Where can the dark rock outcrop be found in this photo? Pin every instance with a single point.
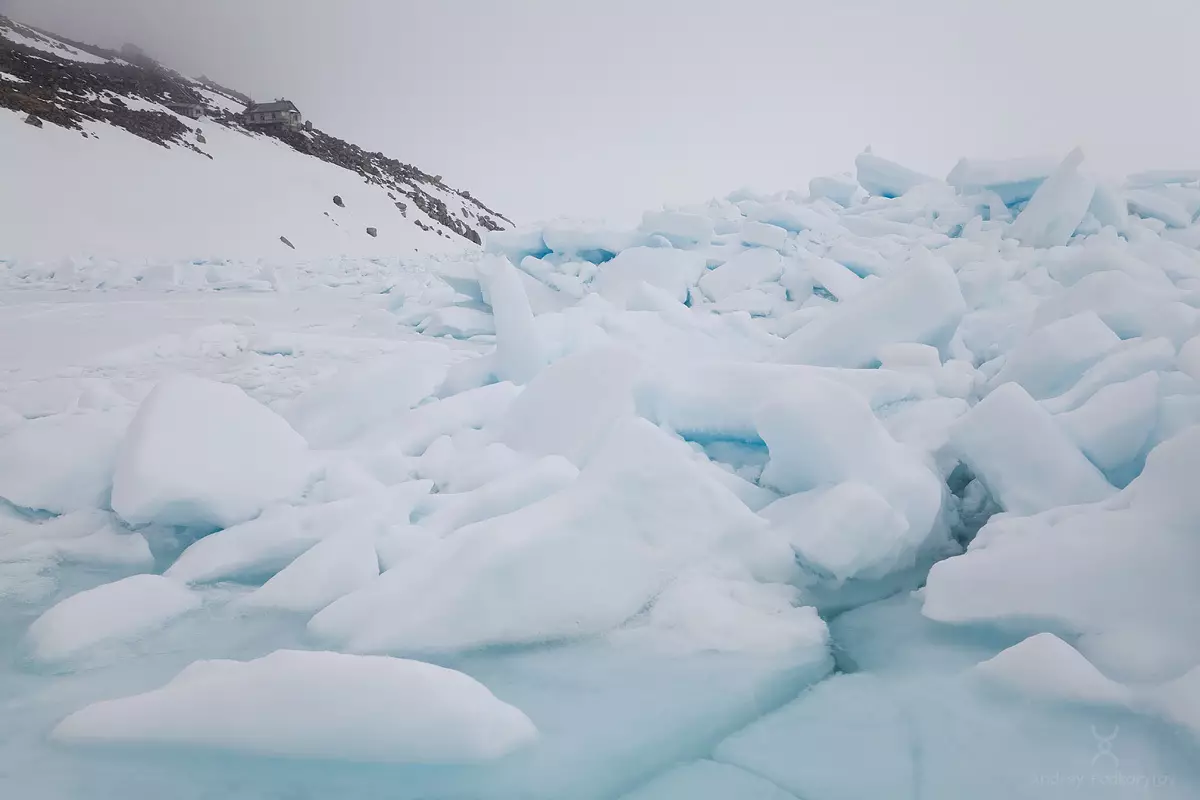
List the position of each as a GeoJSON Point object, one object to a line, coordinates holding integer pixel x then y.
{"type": "Point", "coordinates": [372, 232]}
{"type": "Point", "coordinates": [284, 239]}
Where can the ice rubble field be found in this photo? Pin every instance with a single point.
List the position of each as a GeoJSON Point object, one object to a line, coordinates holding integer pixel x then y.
{"type": "Point", "coordinates": [882, 490]}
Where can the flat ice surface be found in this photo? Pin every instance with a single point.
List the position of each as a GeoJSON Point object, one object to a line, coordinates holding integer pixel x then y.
{"type": "Point", "coordinates": [669, 496]}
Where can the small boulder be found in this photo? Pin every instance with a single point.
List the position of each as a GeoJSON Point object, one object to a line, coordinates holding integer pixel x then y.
{"type": "Point", "coordinates": [284, 239]}
{"type": "Point", "coordinates": [200, 138]}
{"type": "Point", "coordinates": [337, 201]}
{"type": "Point", "coordinates": [34, 121]}
{"type": "Point", "coordinates": [372, 232]}
{"type": "Point", "coordinates": [403, 208]}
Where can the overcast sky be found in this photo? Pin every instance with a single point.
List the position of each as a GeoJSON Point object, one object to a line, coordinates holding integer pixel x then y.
{"type": "Point", "coordinates": [601, 109]}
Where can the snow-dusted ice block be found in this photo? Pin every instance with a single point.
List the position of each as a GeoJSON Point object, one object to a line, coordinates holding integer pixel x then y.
{"type": "Point", "coordinates": [1146, 203]}
{"type": "Point", "coordinates": [1057, 207]}
{"type": "Point", "coordinates": [708, 780]}
{"type": "Point", "coordinates": [762, 234]}
{"type": "Point", "coordinates": [821, 433]}
{"type": "Point", "coordinates": [270, 542]}
{"type": "Point", "coordinates": [673, 271]}
{"type": "Point", "coordinates": [1125, 362]}
{"type": "Point", "coordinates": [513, 490]}
{"type": "Point", "coordinates": [679, 227]}
{"type": "Point", "coordinates": [202, 453]}
{"type": "Point", "coordinates": [815, 746]}
{"type": "Point", "coordinates": [458, 322]}
{"type": "Point", "coordinates": [61, 463]}
{"type": "Point", "coordinates": [1047, 668]}
{"type": "Point", "coordinates": [113, 612]}
{"type": "Point", "coordinates": [316, 705]}
{"type": "Point", "coordinates": [567, 409]}
{"type": "Point", "coordinates": [842, 532]}
{"type": "Point", "coordinates": [1114, 427]}
{"type": "Point", "coordinates": [754, 266]}
{"type": "Point", "coordinates": [918, 302]}
{"type": "Point", "coordinates": [579, 562]}
{"type": "Point", "coordinates": [356, 398]}
{"type": "Point", "coordinates": [717, 399]}
{"type": "Point", "coordinates": [1014, 180]}
{"type": "Point", "coordinates": [1118, 572]}
{"type": "Point", "coordinates": [519, 349]}
{"type": "Point", "coordinates": [330, 569]}
{"type": "Point", "coordinates": [887, 178]}
{"type": "Point", "coordinates": [1051, 359]}
{"type": "Point", "coordinates": [1026, 461]}
{"type": "Point", "coordinates": [841, 189]}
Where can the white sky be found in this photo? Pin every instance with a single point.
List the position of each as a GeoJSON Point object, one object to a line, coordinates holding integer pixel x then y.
{"type": "Point", "coordinates": [563, 107]}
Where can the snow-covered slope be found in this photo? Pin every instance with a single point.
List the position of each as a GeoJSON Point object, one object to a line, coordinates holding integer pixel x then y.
{"type": "Point", "coordinates": [113, 172]}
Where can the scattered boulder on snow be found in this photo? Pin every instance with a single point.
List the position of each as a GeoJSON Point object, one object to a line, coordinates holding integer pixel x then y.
{"type": "Point", "coordinates": [337, 201]}
{"type": "Point", "coordinates": [34, 121]}
{"type": "Point", "coordinates": [372, 232]}
{"type": "Point", "coordinates": [284, 239]}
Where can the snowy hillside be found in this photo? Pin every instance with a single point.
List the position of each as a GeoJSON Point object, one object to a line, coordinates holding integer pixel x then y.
{"type": "Point", "coordinates": [113, 172]}
{"type": "Point", "coordinates": [884, 489]}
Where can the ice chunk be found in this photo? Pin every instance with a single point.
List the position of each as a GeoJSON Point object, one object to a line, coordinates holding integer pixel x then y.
{"type": "Point", "coordinates": [202, 453]}
{"type": "Point", "coordinates": [1108, 206]}
{"type": "Point", "coordinates": [887, 178]}
{"type": "Point", "coordinates": [859, 259]}
{"type": "Point", "coordinates": [835, 278]}
{"type": "Point", "coordinates": [580, 562]}
{"type": "Point", "coordinates": [673, 271]}
{"type": "Point", "coordinates": [1113, 428]}
{"type": "Point", "coordinates": [1047, 668]}
{"type": "Point", "coordinates": [1026, 461]}
{"type": "Point", "coordinates": [1118, 572]}
{"type": "Point", "coordinates": [833, 724]}
{"type": "Point", "coordinates": [519, 349]}
{"type": "Point", "coordinates": [847, 531]}
{"type": "Point", "coordinates": [356, 399]}
{"type": "Point", "coordinates": [822, 433]}
{"type": "Point", "coordinates": [754, 266]}
{"type": "Point", "coordinates": [1160, 177]}
{"type": "Point", "coordinates": [1153, 205]}
{"type": "Point", "coordinates": [1188, 360]}
{"type": "Point", "coordinates": [708, 780]}
{"type": "Point", "coordinates": [1057, 207]}
{"type": "Point", "coordinates": [918, 302]}
{"type": "Point", "coordinates": [700, 612]}
{"type": "Point", "coordinates": [458, 322]}
{"type": "Point", "coordinates": [506, 494]}
{"type": "Point", "coordinates": [841, 189]}
{"type": "Point", "coordinates": [762, 234]}
{"type": "Point", "coordinates": [1051, 359]}
{"type": "Point", "coordinates": [568, 408]}
{"type": "Point", "coordinates": [118, 611]}
{"type": "Point", "coordinates": [306, 704]}
{"type": "Point", "coordinates": [1125, 303]}
{"type": "Point", "coordinates": [908, 355]}
{"type": "Point", "coordinates": [413, 431]}
{"type": "Point", "coordinates": [716, 399]}
{"type": "Point", "coordinates": [271, 541]}
{"type": "Point", "coordinates": [680, 228]}
{"type": "Point", "coordinates": [1125, 362]}
{"type": "Point", "coordinates": [330, 569]}
{"type": "Point", "coordinates": [61, 463]}
{"type": "Point", "coordinates": [1014, 180]}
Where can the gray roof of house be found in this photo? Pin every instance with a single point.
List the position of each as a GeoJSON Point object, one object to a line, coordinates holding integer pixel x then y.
{"type": "Point", "coordinates": [278, 105]}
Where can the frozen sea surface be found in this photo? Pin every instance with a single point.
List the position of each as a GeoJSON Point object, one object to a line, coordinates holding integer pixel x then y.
{"type": "Point", "coordinates": [886, 490]}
